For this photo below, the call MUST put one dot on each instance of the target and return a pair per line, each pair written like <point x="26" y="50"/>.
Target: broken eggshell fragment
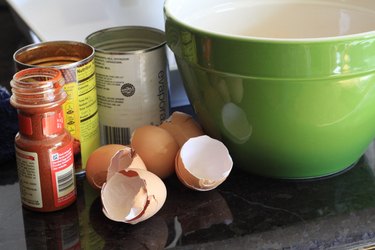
<point x="131" y="195"/>
<point x="100" y="160"/>
<point x="124" y="159"/>
<point x="203" y="163"/>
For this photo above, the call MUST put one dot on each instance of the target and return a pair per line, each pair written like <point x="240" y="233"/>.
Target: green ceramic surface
<point x="284" y="108"/>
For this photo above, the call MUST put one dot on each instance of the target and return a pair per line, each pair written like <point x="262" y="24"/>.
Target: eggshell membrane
<point x="157" y="148"/>
<point x="133" y="195"/>
<point x="123" y="197"/>
<point x="124" y="159"/>
<point x="182" y="127"/>
<point x="100" y="159"/>
<point x="203" y="163"/>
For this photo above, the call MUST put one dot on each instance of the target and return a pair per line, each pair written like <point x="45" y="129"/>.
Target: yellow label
<point x="71" y="110"/>
<point x="81" y="113"/>
<point x="87" y="99"/>
<point x="85" y="71"/>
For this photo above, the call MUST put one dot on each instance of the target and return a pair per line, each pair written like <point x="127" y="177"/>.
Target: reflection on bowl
<point x="288" y="86"/>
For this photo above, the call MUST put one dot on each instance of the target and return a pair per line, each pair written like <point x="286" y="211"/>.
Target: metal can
<point x="132" y="80"/>
<point x="75" y="60"/>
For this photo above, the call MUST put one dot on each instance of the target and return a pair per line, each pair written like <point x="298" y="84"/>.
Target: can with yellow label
<point x="76" y="62"/>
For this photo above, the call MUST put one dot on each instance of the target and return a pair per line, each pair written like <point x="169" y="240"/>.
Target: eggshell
<point x="203" y="163"/>
<point x="99" y="161"/>
<point x="131" y="195"/>
<point x="182" y="127"/>
<point x="157" y="148"/>
<point x="150" y="234"/>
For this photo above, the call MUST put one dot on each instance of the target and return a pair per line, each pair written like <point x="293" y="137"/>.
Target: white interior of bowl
<point x="277" y="19"/>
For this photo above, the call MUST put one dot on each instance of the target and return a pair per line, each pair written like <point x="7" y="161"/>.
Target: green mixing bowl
<point x="288" y="86"/>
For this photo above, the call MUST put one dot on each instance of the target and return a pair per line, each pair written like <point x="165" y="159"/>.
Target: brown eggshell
<point x="203" y="163"/>
<point x="150" y="234"/>
<point x="99" y="161"/>
<point x="132" y="195"/>
<point x="157" y="148"/>
<point x="182" y="127"/>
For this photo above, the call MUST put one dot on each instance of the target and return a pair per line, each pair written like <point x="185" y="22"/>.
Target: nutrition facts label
<point x="81" y="111"/>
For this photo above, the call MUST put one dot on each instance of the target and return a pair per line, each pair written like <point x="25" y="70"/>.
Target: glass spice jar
<point x="44" y="149"/>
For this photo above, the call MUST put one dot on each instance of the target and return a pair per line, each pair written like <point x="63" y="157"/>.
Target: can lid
<point x="55" y="54"/>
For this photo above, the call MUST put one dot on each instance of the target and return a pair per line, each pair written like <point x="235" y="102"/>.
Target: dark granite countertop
<point x="245" y="212"/>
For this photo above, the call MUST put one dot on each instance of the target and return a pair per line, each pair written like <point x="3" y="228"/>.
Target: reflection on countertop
<point x="245" y="211"/>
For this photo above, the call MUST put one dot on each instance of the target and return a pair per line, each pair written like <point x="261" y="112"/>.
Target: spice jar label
<point x="62" y="171"/>
<point x="28" y="174"/>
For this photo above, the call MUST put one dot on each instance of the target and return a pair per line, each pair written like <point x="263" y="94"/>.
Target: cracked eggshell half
<point x="100" y="160"/>
<point x="203" y="163"/>
<point x="124" y="159"/>
<point x="131" y="195"/>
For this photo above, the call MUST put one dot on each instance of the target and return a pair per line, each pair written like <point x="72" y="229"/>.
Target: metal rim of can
<point x="37" y="47"/>
<point x="99" y="39"/>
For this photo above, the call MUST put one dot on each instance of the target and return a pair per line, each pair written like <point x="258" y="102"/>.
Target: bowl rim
<point x="361" y="35"/>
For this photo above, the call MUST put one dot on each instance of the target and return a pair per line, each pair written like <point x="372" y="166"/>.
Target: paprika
<point x="44" y="148"/>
